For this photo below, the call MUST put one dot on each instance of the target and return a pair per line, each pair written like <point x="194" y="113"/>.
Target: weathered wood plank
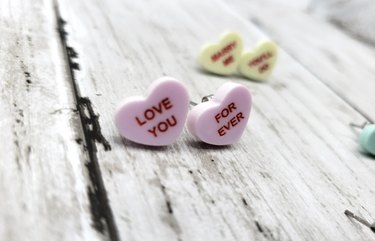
<point x="355" y="17"/>
<point x="291" y="176"/>
<point x="43" y="183"/>
<point x="345" y="64"/>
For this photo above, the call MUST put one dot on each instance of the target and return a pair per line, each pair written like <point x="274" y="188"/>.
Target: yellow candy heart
<point x="223" y="57"/>
<point x="258" y="63"/>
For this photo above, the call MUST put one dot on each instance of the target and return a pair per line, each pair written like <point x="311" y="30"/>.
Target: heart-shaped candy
<point x="367" y="139"/>
<point x="223" y="119"/>
<point x="223" y="57"/>
<point x="158" y="119"/>
<point x="259" y="63"/>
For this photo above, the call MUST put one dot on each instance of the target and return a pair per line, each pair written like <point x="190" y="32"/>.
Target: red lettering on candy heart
<point x="229" y="47"/>
<point x="260" y="59"/>
<point x="263" y="68"/>
<point x="163" y="126"/>
<point x="150" y="113"/>
<point x="228" y="60"/>
<point x="231" y="123"/>
<point x="141" y="123"/>
<point x="224" y="113"/>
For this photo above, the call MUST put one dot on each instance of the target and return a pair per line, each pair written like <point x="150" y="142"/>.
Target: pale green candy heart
<point x="367" y="139"/>
<point x="258" y="63"/>
<point x="222" y="57"/>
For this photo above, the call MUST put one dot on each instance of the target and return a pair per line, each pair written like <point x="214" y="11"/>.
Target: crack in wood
<point x="18" y="126"/>
<point x="92" y="122"/>
<point x="27" y="75"/>
<point x="101" y="213"/>
<point x="167" y="200"/>
<point x="170" y="218"/>
<point x="244" y="201"/>
<point x="264" y="231"/>
<point x="260" y="229"/>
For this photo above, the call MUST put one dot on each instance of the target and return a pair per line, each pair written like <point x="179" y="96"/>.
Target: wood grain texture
<point x="354" y="17"/>
<point x="295" y="171"/>
<point x="43" y="184"/>
<point x="344" y="64"/>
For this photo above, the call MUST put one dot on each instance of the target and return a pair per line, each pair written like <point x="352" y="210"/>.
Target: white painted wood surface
<point x="292" y="175"/>
<point x="344" y="64"/>
<point x="43" y="184"/>
<point x="290" y="178"/>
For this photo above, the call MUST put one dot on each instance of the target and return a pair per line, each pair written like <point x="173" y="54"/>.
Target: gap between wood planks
<point x="335" y="92"/>
<point x="101" y="212"/>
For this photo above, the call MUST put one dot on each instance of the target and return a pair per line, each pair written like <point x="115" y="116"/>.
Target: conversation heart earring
<point x="258" y="63"/>
<point x="223" y="57"/>
<point x="221" y="118"/>
<point x="155" y="120"/>
<point x="366" y="137"/>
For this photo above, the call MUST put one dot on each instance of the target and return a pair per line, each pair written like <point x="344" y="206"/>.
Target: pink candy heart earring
<point x="221" y="118"/>
<point x="155" y="120"/>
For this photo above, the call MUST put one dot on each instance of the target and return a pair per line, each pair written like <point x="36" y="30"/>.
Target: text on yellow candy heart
<point x="260" y="62"/>
<point x="224" y="51"/>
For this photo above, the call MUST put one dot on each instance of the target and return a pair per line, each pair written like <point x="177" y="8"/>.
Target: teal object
<point x="367" y="139"/>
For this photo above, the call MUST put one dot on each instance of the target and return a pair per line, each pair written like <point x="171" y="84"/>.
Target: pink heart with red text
<point x="157" y="119"/>
<point x="223" y="119"/>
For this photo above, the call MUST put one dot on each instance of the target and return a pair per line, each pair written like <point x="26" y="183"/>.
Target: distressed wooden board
<point x="43" y="184"/>
<point x="291" y="176"/>
<point x="344" y="64"/>
<point x="301" y="5"/>
<point x="355" y="17"/>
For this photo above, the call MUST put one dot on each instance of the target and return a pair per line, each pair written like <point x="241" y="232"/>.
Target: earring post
<point x="204" y="99"/>
<point x="207" y="98"/>
<point x="359" y="126"/>
<point x="360" y="220"/>
<point x="193" y="103"/>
